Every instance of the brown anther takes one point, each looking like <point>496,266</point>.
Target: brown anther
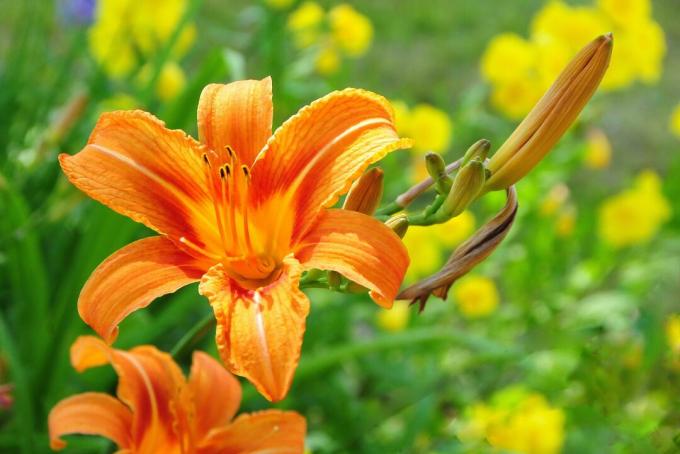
<point>205,158</point>
<point>246,171</point>
<point>230,151</point>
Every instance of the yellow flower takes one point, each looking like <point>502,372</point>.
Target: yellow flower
<point>675,121</point>
<point>127,33</point>
<point>574,26</point>
<point>351,30</point>
<point>673,333</point>
<point>476,296</point>
<point>554,200</point>
<point>170,83</point>
<point>327,61</point>
<point>395,319</point>
<point>508,57</point>
<point>598,150</point>
<point>516,98</point>
<point>279,4</point>
<point>427,246</point>
<point>635,215</point>
<point>626,12</point>
<point>566,222</point>
<point>430,128</point>
<point>401,117</point>
<point>552,55</point>
<point>648,58</point>
<point>305,23</point>
<point>516,421</point>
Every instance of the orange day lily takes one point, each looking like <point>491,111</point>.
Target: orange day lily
<point>245,212</point>
<point>159,411</point>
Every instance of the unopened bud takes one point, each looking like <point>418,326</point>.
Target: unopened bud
<point>467,185</point>
<point>551,116</point>
<point>436,167</point>
<point>365,194</point>
<point>398,223</point>
<point>477,151</point>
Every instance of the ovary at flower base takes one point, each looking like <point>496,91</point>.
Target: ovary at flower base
<point>244,212</point>
<point>159,410</point>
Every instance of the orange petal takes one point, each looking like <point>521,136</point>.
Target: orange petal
<point>156,176</point>
<point>149,383</point>
<point>92,414</point>
<point>131,279</point>
<point>238,114</point>
<point>359,247</point>
<point>317,153</point>
<point>216,393</point>
<point>265,431</point>
<point>259,332</point>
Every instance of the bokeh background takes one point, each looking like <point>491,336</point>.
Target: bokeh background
<point>566,340</point>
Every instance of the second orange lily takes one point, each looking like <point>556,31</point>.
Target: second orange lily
<point>243,211</point>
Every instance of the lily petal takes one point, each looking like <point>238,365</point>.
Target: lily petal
<point>359,247</point>
<point>239,115</point>
<point>149,382</point>
<point>216,393</point>
<point>139,168</point>
<point>314,157</point>
<point>271,431</point>
<point>91,414</point>
<point>131,279</point>
<point>259,332</point>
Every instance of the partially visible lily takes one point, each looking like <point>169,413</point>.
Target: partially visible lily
<point>551,116</point>
<point>159,410</point>
<point>244,213</point>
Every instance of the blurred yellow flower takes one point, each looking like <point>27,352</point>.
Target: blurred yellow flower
<point>565,222</point>
<point>476,296</point>
<point>516,98</point>
<point>635,215</point>
<point>430,128</point>
<point>674,122</point>
<point>125,33</point>
<point>554,200</point>
<point>279,4</point>
<point>327,61</point>
<point>427,246</point>
<point>508,57</point>
<point>673,333</point>
<point>305,23</point>
<point>626,12</point>
<point>171,80</point>
<point>598,150</point>
<point>516,421</point>
<point>520,70</point>
<point>351,30</point>
<point>395,319</point>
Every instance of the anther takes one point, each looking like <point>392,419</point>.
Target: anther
<point>245,170</point>
<point>205,159</point>
<point>230,151</point>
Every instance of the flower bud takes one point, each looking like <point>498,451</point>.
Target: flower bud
<point>398,223</point>
<point>465,189</point>
<point>365,194</point>
<point>551,116</point>
<point>436,167</point>
<point>477,151</point>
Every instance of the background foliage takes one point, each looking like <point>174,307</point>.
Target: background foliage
<point>564,340</point>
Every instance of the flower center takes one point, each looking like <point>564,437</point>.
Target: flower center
<point>243,249</point>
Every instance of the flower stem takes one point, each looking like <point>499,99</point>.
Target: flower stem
<point>193,336</point>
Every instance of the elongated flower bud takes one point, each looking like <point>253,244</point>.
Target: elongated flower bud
<point>398,223</point>
<point>365,194</point>
<point>551,116</point>
<point>436,167</point>
<point>465,189</point>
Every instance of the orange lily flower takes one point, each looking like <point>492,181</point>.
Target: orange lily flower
<point>245,212</point>
<point>158,410</point>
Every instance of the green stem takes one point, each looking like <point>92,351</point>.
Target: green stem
<point>194,336</point>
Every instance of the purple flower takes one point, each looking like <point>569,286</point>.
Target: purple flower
<point>78,11</point>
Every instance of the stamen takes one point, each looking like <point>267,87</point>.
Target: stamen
<point>244,206</point>
<point>232,205</point>
<point>216,205</point>
<point>196,248</point>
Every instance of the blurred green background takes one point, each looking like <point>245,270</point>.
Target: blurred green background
<point>567,339</point>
